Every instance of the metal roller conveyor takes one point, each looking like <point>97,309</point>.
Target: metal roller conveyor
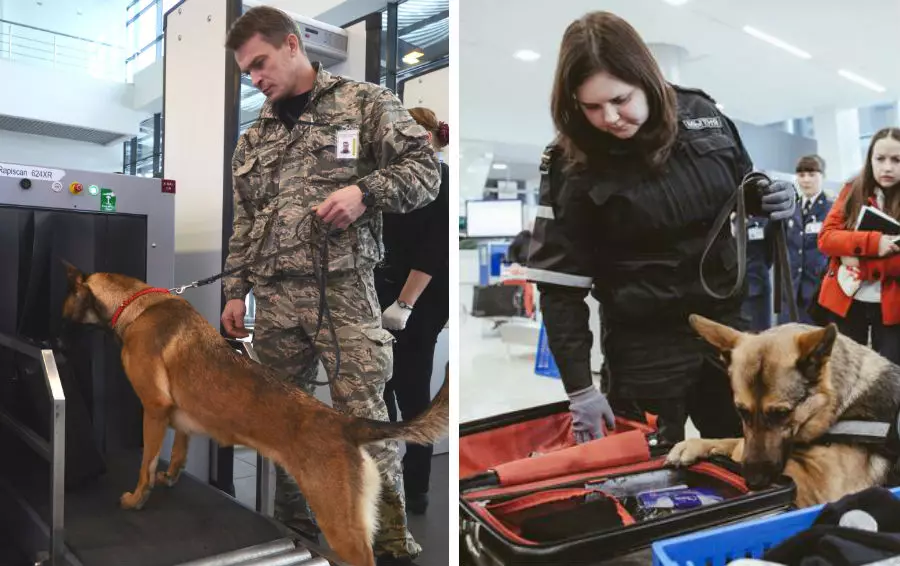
<point>244,555</point>
<point>298,556</point>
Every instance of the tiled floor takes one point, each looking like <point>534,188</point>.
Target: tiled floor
<point>431,530</point>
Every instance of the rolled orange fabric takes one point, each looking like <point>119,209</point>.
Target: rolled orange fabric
<point>607,452</point>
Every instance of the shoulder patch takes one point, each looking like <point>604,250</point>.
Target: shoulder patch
<point>704,123</point>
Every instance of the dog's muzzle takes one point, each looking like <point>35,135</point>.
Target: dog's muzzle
<point>759,475</point>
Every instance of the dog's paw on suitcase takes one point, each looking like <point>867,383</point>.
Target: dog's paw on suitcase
<point>689,451</point>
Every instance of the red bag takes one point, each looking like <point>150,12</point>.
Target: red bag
<point>530,494</point>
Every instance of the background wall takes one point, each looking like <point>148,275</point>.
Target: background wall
<point>772,149</point>
<point>432,91</point>
<point>28,149</point>
<point>53,95</point>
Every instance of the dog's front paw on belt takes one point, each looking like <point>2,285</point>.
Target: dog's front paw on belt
<point>689,451</point>
<point>134,500</point>
<point>167,479</point>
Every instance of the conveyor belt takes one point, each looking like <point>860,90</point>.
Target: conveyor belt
<point>190,521</point>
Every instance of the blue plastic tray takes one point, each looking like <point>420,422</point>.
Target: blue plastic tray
<point>750,539</point>
<point>544,364</point>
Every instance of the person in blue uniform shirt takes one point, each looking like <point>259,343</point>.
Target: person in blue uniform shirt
<point>757,306</point>
<point>638,173</point>
<point>807,263</point>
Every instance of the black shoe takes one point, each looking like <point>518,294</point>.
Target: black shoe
<point>391,560</point>
<point>417,503</point>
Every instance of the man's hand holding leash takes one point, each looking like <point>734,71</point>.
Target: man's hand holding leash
<point>233,318</point>
<point>342,207</point>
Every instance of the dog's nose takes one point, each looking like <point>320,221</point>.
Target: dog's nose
<point>759,475</point>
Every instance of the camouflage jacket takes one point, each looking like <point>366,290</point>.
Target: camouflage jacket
<point>279,175</point>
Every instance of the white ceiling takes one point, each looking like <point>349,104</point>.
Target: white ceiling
<point>506,101</point>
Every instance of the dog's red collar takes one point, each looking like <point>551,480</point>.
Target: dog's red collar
<point>131,299</point>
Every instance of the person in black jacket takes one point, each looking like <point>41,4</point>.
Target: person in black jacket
<point>413,285</point>
<point>517,252</point>
<point>632,185</point>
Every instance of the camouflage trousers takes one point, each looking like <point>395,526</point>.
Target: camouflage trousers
<point>286,316</point>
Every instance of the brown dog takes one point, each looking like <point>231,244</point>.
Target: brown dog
<point>188,377</point>
<point>791,384</point>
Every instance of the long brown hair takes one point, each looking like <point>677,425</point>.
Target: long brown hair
<point>440,131</point>
<point>862,187</point>
<point>604,42</point>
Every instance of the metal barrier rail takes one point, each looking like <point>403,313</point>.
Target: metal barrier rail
<point>22,42</point>
<point>53,451</point>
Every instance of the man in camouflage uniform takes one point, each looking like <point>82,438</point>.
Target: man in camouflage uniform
<point>348,151</point>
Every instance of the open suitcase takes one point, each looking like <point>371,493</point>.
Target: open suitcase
<point>529,495</point>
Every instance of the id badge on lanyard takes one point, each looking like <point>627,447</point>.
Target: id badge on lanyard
<point>347,144</point>
<point>756,233</point>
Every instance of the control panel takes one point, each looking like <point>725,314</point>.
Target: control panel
<point>81,190</point>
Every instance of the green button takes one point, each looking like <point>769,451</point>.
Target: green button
<point>93,190</point>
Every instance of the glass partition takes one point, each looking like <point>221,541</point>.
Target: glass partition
<point>46,48</point>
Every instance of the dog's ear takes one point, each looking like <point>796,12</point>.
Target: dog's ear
<point>814,350</point>
<point>74,276</point>
<point>723,337</point>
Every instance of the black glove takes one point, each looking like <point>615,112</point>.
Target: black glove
<point>765,197</point>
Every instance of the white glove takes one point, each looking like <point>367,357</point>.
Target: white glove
<point>395,317</point>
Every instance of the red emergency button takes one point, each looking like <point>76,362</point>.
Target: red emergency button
<point>76,188</point>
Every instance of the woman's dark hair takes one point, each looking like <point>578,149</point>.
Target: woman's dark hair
<point>862,187</point>
<point>440,131</point>
<point>811,164</point>
<point>603,42</point>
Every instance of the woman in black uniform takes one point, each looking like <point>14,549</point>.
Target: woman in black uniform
<point>638,173</point>
<point>413,284</point>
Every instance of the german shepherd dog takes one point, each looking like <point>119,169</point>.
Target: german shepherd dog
<point>791,384</point>
<point>187,376</point>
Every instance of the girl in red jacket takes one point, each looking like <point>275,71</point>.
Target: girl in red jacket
<point>862,284</point>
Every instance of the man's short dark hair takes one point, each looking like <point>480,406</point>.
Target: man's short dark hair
<point>272,24</point>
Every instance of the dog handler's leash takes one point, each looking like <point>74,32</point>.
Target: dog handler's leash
<point>783,282</point>
<point>320,276</point>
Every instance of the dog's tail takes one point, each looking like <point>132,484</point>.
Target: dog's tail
<point>427,428</point>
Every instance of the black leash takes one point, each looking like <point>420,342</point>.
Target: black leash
<point>320,276</point>
<point>782,274</point>
<point>783,282</point>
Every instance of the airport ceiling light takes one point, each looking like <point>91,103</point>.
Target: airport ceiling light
<point>412,58</point>
<point>676,2</point>
<point>500,166</point>
<point>861,80</point>
<point>527,55</point>
<point>796,51</point>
